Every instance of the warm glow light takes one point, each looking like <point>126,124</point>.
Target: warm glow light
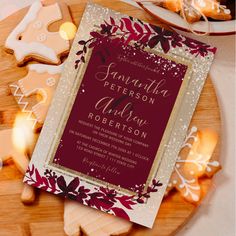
<point>209,140</point>
<point>67,30</point>
<point>22,134</point>
<point>202,149</point>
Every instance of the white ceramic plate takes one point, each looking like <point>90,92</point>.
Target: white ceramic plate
<point>175,20</point>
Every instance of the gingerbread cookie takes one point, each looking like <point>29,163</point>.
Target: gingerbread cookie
<point>194,161</point>
<point>32,40</point>
<point>41,80</point>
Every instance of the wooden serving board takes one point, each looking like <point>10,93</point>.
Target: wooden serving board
<point>45,217</point>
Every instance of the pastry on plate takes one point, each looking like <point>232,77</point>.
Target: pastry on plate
<point>194,10</point>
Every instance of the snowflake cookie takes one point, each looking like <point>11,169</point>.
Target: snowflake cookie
<point>194,161</point>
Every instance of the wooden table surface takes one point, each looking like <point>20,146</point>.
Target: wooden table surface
<point>45,217</point>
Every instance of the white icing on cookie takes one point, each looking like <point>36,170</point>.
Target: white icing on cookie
<point>20,100</point>
<point>50,69</point>
<point>51,81</point>
<point>22,49</point>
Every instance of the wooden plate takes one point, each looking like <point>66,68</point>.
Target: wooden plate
<point>45,217</point>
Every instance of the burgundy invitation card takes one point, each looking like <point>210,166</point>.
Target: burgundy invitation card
<point>119,115</point>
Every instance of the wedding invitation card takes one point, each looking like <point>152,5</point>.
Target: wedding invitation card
<point>119,115</point>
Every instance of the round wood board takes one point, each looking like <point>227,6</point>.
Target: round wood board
<point>45,217</point>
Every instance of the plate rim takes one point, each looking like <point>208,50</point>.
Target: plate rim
<point>180,27</point>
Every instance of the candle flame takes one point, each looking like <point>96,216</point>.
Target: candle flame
<point>22,134</point>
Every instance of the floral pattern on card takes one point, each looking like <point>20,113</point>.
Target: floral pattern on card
<point>143,35</point>
<point>101,198</point>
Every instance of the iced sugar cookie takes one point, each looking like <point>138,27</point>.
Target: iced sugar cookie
<point>194,161</point>
<point>31,39</point>
<point>41,80</point>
